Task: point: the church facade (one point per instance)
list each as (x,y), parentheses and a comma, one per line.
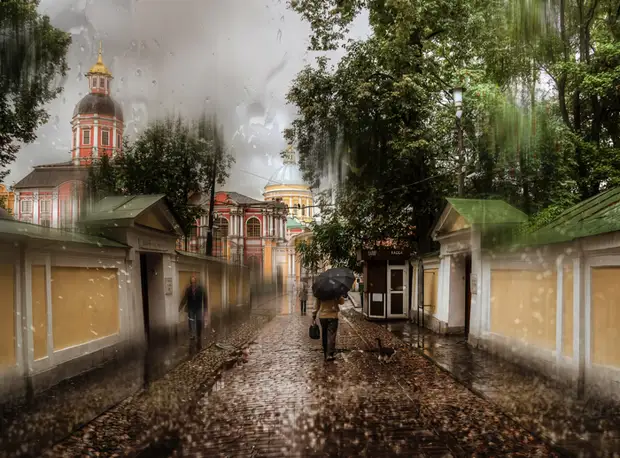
(53,195)
(260,233)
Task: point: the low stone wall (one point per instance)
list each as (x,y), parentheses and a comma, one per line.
(103,379)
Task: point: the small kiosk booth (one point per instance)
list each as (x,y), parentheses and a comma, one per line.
(386,279)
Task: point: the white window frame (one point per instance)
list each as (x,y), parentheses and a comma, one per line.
(105,143)
(21,207)
(84,132)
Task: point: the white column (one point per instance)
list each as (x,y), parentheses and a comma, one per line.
(54,222)
(35,207)
(242,224)
(16,208)
(74,211)
(233,224)
(95,139)
(264,223)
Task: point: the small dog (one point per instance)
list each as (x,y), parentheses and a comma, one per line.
(385,353)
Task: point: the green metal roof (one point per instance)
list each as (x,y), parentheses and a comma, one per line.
(292,223)
(597,215)
(11,228)
(121,207)
(481,211)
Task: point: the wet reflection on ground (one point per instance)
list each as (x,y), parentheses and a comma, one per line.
(544,406)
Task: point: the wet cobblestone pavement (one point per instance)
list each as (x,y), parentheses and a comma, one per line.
(548,408)
(285,401)
(145,418)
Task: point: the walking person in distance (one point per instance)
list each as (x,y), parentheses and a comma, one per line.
(195,298)
(303,296)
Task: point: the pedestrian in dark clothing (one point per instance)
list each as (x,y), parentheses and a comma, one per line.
(195,298)
(303,296)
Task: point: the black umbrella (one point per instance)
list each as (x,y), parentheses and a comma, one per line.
(333,283)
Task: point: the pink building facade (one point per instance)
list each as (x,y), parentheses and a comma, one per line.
(52,195)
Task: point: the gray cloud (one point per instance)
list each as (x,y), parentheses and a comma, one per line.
(233,57)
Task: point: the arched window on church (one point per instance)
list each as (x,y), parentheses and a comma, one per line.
(222,228)
(252,227)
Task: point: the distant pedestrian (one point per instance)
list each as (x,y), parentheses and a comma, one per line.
(303,296)
(328,310)
(195,297)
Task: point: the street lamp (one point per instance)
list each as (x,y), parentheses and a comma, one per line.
(457,96)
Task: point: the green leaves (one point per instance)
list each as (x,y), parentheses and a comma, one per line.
(170,157)
(32,58)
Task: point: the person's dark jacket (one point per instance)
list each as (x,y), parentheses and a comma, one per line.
(195,299)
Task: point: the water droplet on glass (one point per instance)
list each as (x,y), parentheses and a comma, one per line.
(138,72)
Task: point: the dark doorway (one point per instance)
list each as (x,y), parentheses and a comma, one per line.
(467,294)
(144,279)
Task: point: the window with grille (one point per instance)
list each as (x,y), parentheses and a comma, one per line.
(253,227)
(46,206)
(119,141)
(46,222)
(101,83)
(26,206)
(86,136)
(105,138)
(222,228)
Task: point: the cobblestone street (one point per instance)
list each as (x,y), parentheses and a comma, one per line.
(286,401)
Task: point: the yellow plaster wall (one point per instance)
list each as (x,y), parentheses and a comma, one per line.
(233,286)
(605,316)
(7,316)
(39,312)
(430,289)
(267,266)
(567,311)
(458,224)
(523,306)
(149,219)
(84,305)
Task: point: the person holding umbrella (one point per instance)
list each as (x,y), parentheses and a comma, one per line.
(330,289)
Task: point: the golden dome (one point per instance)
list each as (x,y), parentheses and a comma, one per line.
(99,68)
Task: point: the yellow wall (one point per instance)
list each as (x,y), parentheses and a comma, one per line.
(430,289)
(567,311)
(523,306)
(458,224)
(7,316)
(84,305)
(605,316)
(267,267)
(39,312)
(233,285)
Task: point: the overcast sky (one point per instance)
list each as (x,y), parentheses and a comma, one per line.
(236,57)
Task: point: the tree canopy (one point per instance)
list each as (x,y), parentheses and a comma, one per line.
(540,112)
(170,157)
(32,60)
